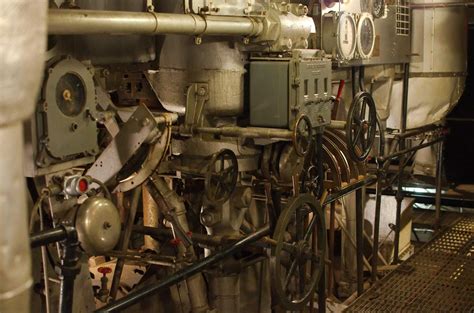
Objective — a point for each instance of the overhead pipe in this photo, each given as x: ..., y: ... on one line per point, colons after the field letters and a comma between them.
x: 81, y: 22
x: 21, y: 60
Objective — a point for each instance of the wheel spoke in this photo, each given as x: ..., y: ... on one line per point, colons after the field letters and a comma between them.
x: 309, y: 229
x: 301, y: 278
x: 362, y: 112
x: 289, y: 274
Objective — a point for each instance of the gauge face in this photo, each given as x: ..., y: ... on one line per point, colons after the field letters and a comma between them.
x: 70, y: 94
x: 378, y: 8
x: 346, y: 36
x: 366, y: 36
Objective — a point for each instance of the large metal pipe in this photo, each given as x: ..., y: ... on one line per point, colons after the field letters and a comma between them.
x: 21, y: 61
x: 80, y: 22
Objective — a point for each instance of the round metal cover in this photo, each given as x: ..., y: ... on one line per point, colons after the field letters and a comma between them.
x: 346, y: 36
x: 98, y: 225
x: 365, y: 36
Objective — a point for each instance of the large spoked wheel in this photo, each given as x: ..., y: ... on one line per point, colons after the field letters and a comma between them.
x: 361, y: 126
x: 221, y: 176
x: 297, y: 259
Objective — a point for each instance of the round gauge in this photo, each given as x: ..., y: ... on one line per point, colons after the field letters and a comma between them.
x: 70, y: 94
x: 346, y: 36
x: 365, y: 36
x: 378, y: 8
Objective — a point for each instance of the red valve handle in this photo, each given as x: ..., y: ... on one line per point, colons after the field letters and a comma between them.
x: 339, y: 90
x: 104, y: 270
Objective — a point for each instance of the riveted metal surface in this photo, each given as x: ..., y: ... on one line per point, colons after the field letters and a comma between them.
x: 439, y: 277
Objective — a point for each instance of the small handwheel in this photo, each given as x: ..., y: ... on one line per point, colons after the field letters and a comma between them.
x: 361, y: 126
x: 296, y: 261
x: 221, y: 176
x: 302, y: 134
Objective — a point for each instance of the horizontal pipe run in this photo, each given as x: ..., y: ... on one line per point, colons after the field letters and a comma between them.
x: 337, y: 125
x: 350, y: 188
x: 167, y: 233
x: 46, y: 237
x: 441, y: 5
x: 82, y: 22
x: 136, y: 296
x: 403, y: 152
x: 247, y: 132
x: 418, y: 131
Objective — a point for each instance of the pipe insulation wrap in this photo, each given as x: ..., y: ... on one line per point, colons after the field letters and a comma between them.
x: 69, y: 22
x: 22, y: 46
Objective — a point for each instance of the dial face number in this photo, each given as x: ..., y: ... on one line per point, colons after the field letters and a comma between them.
x: 347, y: 36
x: 70, y: 94
x: 367, y: 36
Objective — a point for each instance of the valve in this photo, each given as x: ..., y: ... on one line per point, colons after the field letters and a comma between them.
x: 103, y: 292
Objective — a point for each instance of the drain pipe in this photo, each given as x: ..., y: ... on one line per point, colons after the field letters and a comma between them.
x: 21, y: 62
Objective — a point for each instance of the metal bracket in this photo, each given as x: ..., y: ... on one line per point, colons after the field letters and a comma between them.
x: 196, y: 97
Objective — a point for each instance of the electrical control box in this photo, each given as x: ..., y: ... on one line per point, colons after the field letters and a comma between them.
x: 283, y: 88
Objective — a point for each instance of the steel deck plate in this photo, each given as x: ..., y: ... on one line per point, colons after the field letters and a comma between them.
x: 438, y: 278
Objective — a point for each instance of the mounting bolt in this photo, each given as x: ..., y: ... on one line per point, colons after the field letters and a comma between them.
x: 74, y: 127
x: 201, y: 91
x: 146, y: 122
x: 246, y: 40
x: 198, y: 40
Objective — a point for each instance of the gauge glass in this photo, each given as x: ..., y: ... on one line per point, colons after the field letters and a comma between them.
x: 366, y: 34
x: 346, y: 36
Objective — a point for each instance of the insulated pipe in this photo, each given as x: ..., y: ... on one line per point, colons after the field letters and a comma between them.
x: 81, y: 22
x: 247, y: 132
x: 21, y: 61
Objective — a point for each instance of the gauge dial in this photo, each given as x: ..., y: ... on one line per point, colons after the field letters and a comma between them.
x: 378, y: 8
x: 365, y: 36
x: 70, y: 94
x: 346, y: 36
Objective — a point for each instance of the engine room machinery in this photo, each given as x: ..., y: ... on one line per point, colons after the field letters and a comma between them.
x: 200, y: 156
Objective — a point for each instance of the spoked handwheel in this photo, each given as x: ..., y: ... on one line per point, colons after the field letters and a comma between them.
x: 302, y: 135
x: 221, y: 176
x: 361, y: 126
x: 296, y: 261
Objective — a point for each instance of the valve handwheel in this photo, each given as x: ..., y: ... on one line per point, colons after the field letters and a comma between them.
x: 302, y: 135
x: 361, y: 126
x: 296, y: 261
x: 221, y: 176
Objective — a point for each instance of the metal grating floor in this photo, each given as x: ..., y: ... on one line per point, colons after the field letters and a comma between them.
x: 438, y: 278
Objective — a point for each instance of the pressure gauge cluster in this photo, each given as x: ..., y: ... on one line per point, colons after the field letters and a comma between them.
x: 347, y: 36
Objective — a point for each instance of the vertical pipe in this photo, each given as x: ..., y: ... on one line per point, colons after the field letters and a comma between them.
x: 399, y: 198
x: 332, y: 226
x: 43, y: 260
x: 360, y: 242
x: 439, y: 173
x: 322, y: 292
x: 150, y: 218
x: 402, y: 145
x: 15, y: 259
x: 22, y: 49
x: 378, y: 200
x: 403, y: 122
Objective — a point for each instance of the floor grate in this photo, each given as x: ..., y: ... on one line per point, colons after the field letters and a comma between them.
x: 438, y: 278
